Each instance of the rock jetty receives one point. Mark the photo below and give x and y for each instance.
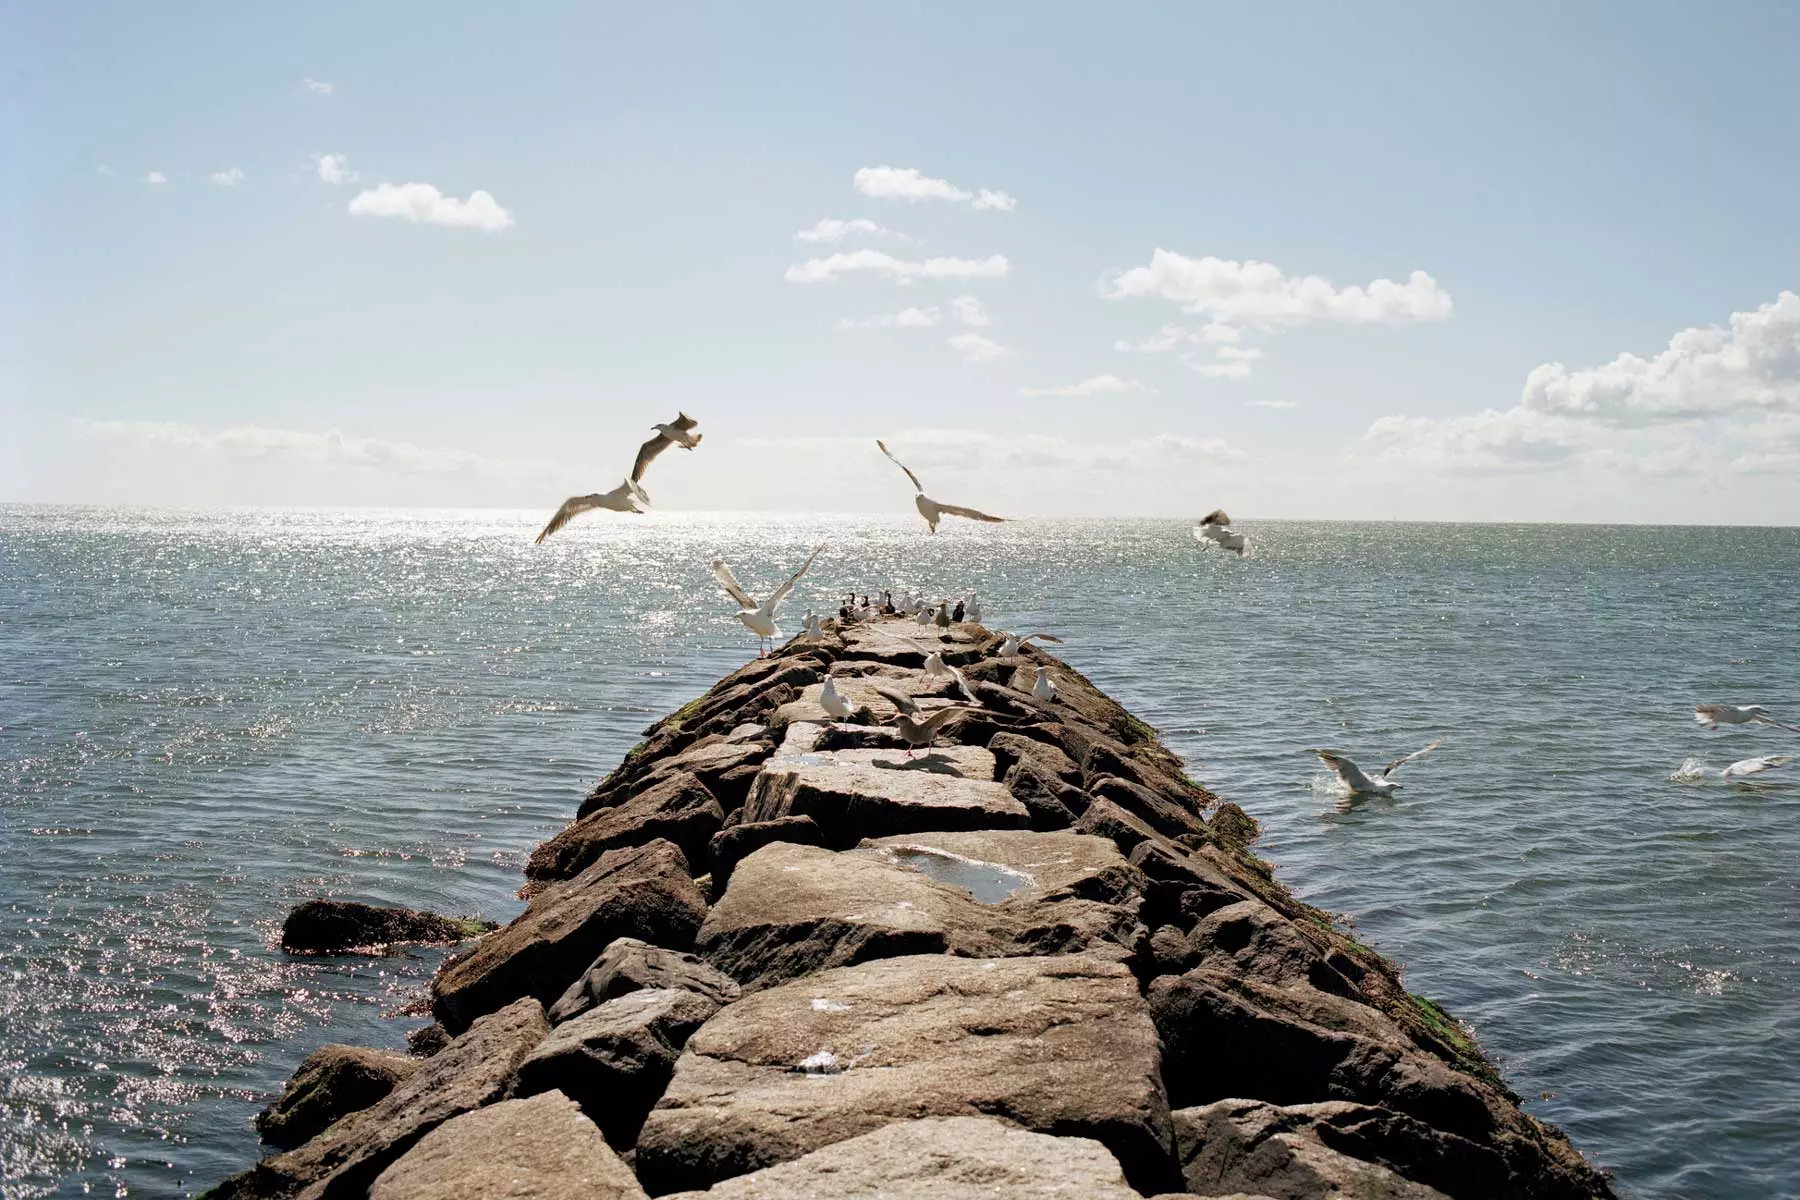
(778, 956)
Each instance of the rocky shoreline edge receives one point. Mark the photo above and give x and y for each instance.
(778, 955)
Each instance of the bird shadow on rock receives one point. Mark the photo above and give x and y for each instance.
(936, 764)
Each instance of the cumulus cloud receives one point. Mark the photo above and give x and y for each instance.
(1260, 293)
(1171, 336)
(320, 86)
(830, 229)
(423, 203)
(156, 177)
(968, 310)
(912, 184)
(1716, 398)
(331, 448)
(1270, 404)
(977, 349)
(1098, 385)
(230, 177)
(334, 169)
(1228, 362)
(906, 318)
(821, 270)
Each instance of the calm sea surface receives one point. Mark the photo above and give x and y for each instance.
(210, 716)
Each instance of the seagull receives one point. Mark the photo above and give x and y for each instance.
(1014, 643)
(1750, 766)
(625, 498)
(924, 617)
(917, 729)
(833, 702)
(1214, 530)
(1714, 715)
(811, 627)
(930, 509)
(678, 432)
(759, 618)
(943, 614)
(1360, 784)
(1042, 688)
(974, 610)
(936, 666)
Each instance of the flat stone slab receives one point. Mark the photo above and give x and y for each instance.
(1249, 1146)
(941, 1158)
(879, 793)
(536, 1149)
(905, 643)
(1059, 1044)
(860, 691)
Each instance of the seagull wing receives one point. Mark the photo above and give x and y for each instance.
(571, 508)
(1042, 637)
(683, 422)
(957, 510)
(647, 454)
(1217, 516)
(899, 700)
(963, 685)
(931, 724)
(1404, 759)
(917, 486)
(732, 587)
(1762, 720)
(780, 593)
(1351, 774)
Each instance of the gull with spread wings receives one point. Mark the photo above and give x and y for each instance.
(930, 509)
(759, 618)
(1215, 529)
(1360, 784)
(630, 495)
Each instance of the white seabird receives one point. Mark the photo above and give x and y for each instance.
(1751, 766)
(1360, 784)
(833, 702)
(1014, 643)
(1714, 715)
(1042, 688)
(930, 509)
(1215, 529)
(972, 612)
(759, 618)
(629, 495)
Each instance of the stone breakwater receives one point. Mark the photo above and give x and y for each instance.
(778, 956)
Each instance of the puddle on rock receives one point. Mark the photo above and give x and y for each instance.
(990, 883)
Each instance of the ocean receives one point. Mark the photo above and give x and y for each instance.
(206, 717)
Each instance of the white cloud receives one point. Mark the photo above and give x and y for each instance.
(906, 318)
(1216, 332)
(1717, 399)
(830, 229)
(1098, 385)
(1170, 336)
(156, 177)
(968, 310)
(331, 448)
(230, 177)
(423, 203)
(1258, 293)
(977, 349)
(319, 86)
(335, 168)
(909, 183)
(1229, 362)
(1282, 404)
(819, 270)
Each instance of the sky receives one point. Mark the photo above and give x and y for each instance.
(1310, 260)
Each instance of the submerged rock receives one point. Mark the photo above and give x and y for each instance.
(347, 927)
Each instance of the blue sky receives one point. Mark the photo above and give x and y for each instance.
(1575, 183)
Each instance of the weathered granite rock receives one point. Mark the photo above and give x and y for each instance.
(344, 1160)
(678, 809)
(860, 691)
(941, 1158)
(731, 846)
(1103, 818)
(796, 910)
(1059, 1044)
(536, 1149)
(616, 1059)
(334, 1081)
(628, 965)
(1253, 940)
(899, 644)
(1051, 803)
(879, 797)
(643, 892)
(1011, 749)
(1161, 813)
(427, 1040)
(725, 767)
(346, 927)
(1248, 1146)
(1182, 887)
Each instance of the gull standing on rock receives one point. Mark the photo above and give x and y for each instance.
(1215, 529)
(1714, 715)
(1751, 766)
(759, 618)
(974, 610)
(833, 702)
(1042, 688)
(1360, 784)
(930, 509)
(943, 614)
(629, 495)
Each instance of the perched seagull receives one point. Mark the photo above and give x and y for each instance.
(924, 617)
(935, 665)
(974, 609)
(625, 498)
(916, 728)
(1014, 643)
(930, 509)
(1360, 784)
(1214, 529)
(759, 618)
(811, 627)
(1714, 715)
(1042, 688)
(1750, 766)
(943, 614)
(833, 702)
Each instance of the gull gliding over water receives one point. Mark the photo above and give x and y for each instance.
(759, 618)
(1714, 715)
(1360, 784)
(1751, 766)
(629, 495)
(1215, 529)
(930, 509)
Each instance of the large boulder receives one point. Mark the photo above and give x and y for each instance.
(1166, 815)
(882, 794)
(725, 767)
(536, 1149)
(1249, 1146)
(333, 1082)
(940, 1158)
(616, 1059)
(345, 926)
(1057, 1045)
(1253, 940)
(678, 809)
(643, 892)
(629, 965)
(732, 845)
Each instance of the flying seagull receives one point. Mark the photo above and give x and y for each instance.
(1215, 529)
(629, 495)
(679, 432)
(1750, 766)
(935, 666)
(1714, 715)
(1360, 784)
(1014, 643)
(930, 509)
(916, 728)
(759, 618)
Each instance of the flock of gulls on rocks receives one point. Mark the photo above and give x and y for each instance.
(917, 728)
